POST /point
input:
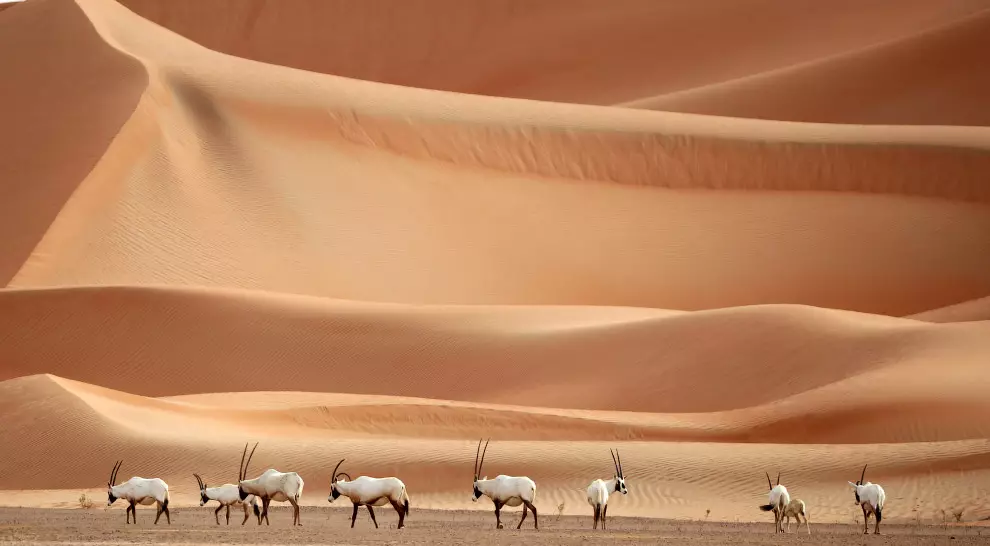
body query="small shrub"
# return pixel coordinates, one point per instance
(560, 511)
(85, 502)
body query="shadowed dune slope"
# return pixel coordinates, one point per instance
(581, 51)
(934, 78)
(60, 106)
(424, 197)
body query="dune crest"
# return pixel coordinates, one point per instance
(219, 232)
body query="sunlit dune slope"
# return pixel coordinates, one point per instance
(172, 438)
(583, 51)
(936, 77)
(423, 197)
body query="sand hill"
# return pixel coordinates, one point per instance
(726, 238)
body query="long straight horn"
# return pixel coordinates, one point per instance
(333, 475)
(778, 478)
(483, 451)
(614, 463)
(477, 452)
(248, 463)
(620, 462)
(863, 475)
(113, 474)
(768, 480)
(240, 469)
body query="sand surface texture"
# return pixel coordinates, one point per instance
(724, 237)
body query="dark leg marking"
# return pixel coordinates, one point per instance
(372, 512)
(398, 510)
(604, 514)
(216, 514)
(264, 512)
(498, 515)
(523, 518)
(536, 519)
(354, 515)
(598, 512)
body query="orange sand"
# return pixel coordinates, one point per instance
(202, 249)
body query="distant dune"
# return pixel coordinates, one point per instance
(724, 237)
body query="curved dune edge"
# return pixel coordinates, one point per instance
(172, 438)
(124, 338)
(967, 311)
(562, 51)
(878, 84)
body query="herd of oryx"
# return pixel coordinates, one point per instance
(272, 485)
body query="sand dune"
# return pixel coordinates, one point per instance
(320, 245)
(932, 78)
(557, 50)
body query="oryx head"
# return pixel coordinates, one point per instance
(113, 481)
(242, 471)
(202, 490)
(620, 479)
(334, 479)
(477, 469)
(856, 485)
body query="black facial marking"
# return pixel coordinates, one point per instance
(477, 492)
(334, 492)
(241, 492)
(111, 498)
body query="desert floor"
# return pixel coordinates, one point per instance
(322, 525)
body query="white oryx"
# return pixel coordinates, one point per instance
(779, 498)
(271, 485)
(796, 509)
(227, 495)
(136, 491)
(504, 491)
(599, 490)
(365, 491)
(871, 498)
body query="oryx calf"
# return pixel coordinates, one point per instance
(365, 491)
(227, 495)
(136, 491)
(504, 491)
(796, 509)
(599, 490)
(871, 498)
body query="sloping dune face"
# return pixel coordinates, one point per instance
(353, 260)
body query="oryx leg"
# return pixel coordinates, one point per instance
(866, 519)
(536, 519)
(604, 515)
(523, 518)
(264, 512)
(158, 513)
(598, 512)
(247, 513)
(295, 512)
(372, 512)
(398, 510)
(228, 514)
(130, 511)
(216, 514)
(498, 515)
(354, 515)
(877, 514)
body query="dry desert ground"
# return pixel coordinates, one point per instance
(725, 237)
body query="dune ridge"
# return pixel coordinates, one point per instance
(348, 255)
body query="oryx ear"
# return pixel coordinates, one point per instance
(851, 484)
